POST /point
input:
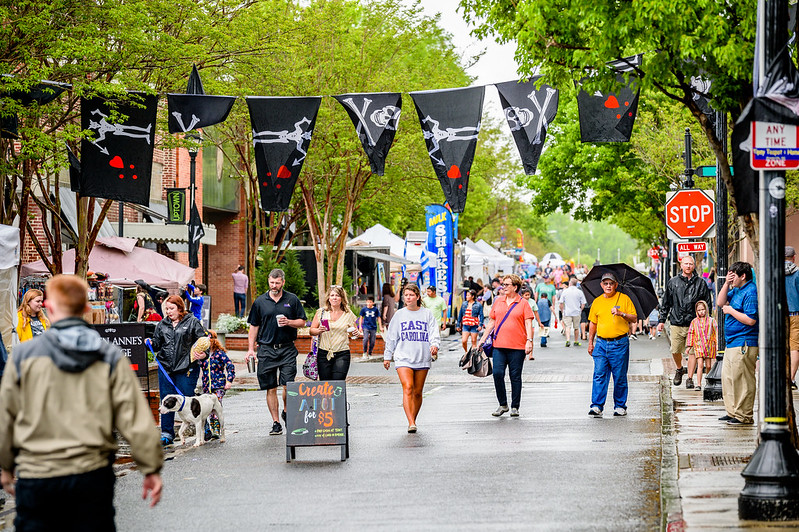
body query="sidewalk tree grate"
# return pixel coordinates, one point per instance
(718, 461)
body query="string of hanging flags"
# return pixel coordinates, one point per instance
(115, 159)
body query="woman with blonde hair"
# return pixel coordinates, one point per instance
(31, 319)
(334, 324)
(412, 341)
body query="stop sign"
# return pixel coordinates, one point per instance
(690, 213)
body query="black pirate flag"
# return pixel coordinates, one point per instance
(281, 133)
(375, 117)
(609, 117)
(42, 93)
(450, 122)
(195, 109)
(117, 158)
(196, 233)
(529, 111)
(74, 171)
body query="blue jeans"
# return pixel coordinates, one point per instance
(610, 357)
(186, 383)
(513, 359)
(545, 323)
(239, 303)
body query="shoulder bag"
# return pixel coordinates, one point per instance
(488, 346)
(310, 368)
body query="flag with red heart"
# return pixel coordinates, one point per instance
(529, 111)
(117, 156)
(607, 116)
(281, 131)
(450, 120)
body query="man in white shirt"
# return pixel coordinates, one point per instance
(572, 302)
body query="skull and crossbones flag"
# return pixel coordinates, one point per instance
(281, 133)
(375, 117)
(195, 109)
(450, 122)
(529, 111)
(609, 117)
(117, 157)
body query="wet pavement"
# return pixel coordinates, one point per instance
(670, 464)
(553, 468)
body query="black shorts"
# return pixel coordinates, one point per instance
(272, 359)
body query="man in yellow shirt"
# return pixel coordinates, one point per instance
(609, 326)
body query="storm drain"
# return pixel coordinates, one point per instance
(718, 461)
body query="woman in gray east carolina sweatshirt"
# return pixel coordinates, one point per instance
(412, 341)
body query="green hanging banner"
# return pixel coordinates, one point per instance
(176, 205)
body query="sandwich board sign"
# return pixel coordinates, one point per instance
(316, 414)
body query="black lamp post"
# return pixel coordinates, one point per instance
(713, 389)
(771, 492)
(194, 148)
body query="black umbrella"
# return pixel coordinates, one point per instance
(636, 286)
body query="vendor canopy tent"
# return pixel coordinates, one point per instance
(379, 235)
(478, 264)
(124, 263)
(499, 261)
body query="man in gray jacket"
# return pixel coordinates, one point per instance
(60, 443)
(679, 307)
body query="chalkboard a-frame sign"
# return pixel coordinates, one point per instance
(316, 414)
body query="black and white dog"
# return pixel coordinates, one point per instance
(194, 410)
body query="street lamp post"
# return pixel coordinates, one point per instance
(771, 492)
(194, 148)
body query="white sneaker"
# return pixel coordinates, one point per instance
(619, 412)
(499, 411)
(595, 412)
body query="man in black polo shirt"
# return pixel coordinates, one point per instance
(274, 319)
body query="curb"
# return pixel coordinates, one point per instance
(671, 518)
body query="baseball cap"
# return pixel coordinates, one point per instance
(608, 275)
(789, 251)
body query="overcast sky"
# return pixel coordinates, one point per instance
(497, 63)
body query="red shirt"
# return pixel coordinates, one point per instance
(513, 334)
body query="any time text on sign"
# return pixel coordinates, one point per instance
(774, 146)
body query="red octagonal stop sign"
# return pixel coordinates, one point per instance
(690, 213)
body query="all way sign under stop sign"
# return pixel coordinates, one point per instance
(774, 146)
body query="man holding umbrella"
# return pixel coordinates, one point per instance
(608, 343)
(679, 306)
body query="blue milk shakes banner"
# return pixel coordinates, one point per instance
(440, 245)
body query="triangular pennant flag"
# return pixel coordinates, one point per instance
(281, 131)
(41, 94)
(196, 233)
(195, 109)
(450, 122)
(74, 171)
(117, 158)
(529, 111)
(195, 84)
(375, 117)
(189, 111)
(607, 117)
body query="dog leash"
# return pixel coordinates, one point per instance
(149, 345)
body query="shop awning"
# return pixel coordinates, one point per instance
(382, 256)
(168, 234)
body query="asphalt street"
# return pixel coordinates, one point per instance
(553, 468)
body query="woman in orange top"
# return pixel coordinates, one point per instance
(31, 320)
(512, 318)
